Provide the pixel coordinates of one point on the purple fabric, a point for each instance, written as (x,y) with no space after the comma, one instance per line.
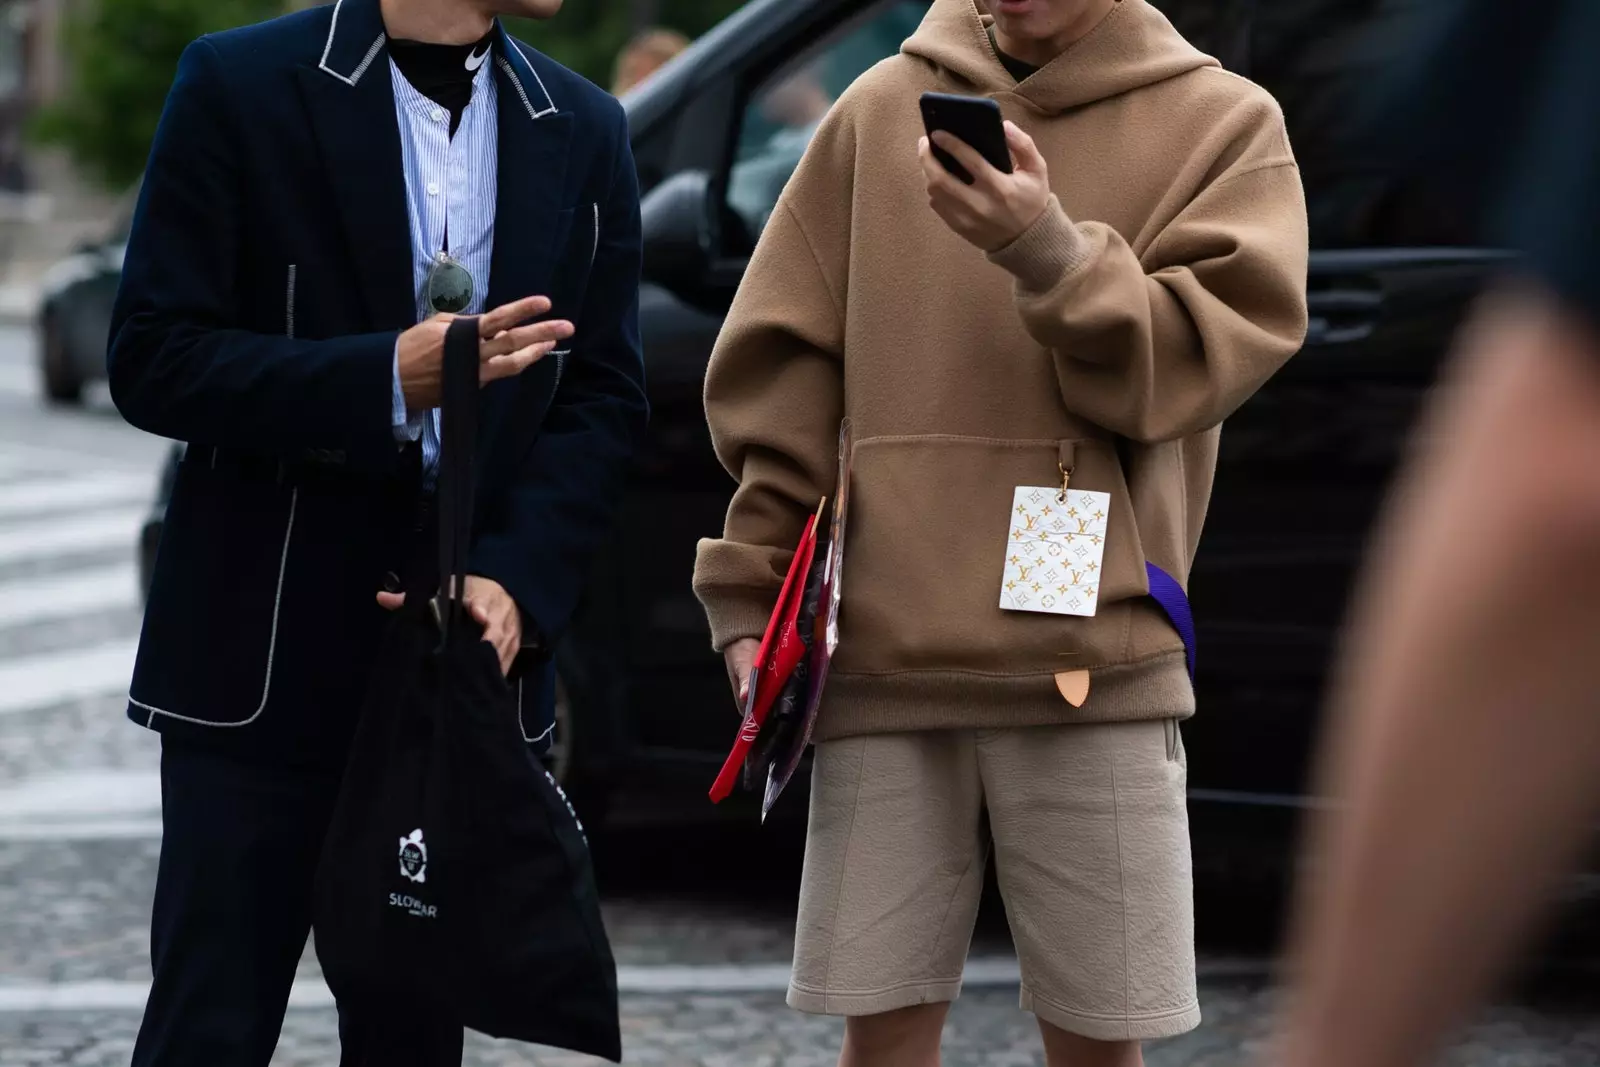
(1165,591)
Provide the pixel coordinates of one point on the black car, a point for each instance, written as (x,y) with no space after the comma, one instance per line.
(74,317)
(1303,466)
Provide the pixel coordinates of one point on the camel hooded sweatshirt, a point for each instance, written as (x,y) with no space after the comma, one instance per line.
(1163,285)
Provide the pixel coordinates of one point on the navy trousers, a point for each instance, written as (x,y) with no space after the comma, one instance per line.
(232,915)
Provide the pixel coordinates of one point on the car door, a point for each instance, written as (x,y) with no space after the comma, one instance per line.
(1305,466)
(715,140)
(1303,471)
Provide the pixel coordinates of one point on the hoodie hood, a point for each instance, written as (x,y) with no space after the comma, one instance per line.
(1132,47)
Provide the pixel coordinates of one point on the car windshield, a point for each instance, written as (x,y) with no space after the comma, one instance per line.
(779,121)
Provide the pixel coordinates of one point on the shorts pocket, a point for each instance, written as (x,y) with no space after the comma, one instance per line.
(929,523)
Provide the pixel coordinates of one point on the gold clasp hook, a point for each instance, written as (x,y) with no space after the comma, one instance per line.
(1066,482)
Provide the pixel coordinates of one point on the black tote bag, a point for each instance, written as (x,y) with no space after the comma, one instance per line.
(454,876)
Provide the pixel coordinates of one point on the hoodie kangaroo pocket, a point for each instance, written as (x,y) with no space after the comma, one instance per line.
(929,524)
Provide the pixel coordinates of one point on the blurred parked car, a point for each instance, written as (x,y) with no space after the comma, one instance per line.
(74,320)
(1303,466)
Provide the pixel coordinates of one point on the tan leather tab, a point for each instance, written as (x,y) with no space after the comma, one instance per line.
(1065,457)
(1074,686)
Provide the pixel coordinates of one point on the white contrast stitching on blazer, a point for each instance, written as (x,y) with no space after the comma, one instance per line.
(547,98)
(327,48)
(288,322)
(272,643)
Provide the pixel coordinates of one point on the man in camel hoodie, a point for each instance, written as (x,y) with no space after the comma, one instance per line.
(1099,312)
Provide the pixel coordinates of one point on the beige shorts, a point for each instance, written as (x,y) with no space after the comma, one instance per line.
(1091,840)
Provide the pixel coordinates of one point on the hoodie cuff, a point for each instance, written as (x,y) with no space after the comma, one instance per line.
(1049,250)
(737,614)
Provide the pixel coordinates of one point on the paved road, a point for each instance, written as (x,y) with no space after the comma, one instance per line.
(701,916)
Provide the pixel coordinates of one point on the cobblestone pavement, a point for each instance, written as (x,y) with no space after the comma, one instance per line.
(757,1030)
(79,836)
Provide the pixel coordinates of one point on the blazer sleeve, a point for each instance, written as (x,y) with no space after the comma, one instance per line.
(560,509)
(179,365)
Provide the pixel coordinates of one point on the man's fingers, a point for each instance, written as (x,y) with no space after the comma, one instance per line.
(517,339)
(515,363)
(391,601)
(932,169)
(1026,154)
(943,184)
(968,157)
(506,316)
(506,652)
(497,635)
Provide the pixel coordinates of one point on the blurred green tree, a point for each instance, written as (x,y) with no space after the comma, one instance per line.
(123,53)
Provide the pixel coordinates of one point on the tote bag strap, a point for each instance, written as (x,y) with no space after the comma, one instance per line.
(458,431)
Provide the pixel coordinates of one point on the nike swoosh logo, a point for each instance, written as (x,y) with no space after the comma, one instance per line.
(474,62)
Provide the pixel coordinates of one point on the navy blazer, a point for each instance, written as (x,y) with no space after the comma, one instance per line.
(267,277)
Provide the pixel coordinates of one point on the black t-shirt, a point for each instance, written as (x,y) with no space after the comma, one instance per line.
(1507,111)
(1017,68)
(442,72)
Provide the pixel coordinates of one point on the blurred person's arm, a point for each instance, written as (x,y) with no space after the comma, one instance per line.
(1465,746)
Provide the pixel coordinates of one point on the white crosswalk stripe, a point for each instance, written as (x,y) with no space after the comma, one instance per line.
(68,633)
(30,682)
(71,494)
(19,380)
(64,596)
(74,533)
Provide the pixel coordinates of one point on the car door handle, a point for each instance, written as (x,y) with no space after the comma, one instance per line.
(1342,316)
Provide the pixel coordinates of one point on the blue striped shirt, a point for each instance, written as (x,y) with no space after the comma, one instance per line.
(450,182)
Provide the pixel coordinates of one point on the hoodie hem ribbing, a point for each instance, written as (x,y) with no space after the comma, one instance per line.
(1156,688)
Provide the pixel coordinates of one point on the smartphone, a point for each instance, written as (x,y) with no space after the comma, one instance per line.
(975,120)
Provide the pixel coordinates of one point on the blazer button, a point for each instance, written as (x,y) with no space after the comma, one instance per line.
(391,582)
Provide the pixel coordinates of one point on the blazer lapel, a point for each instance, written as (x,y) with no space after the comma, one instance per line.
(529,217)
(534,137)
(351,100)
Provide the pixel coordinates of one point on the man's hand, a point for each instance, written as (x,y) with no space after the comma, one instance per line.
(996,208)
(505,348)
(739,657)
(494,609)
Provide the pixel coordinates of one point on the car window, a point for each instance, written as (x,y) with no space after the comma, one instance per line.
(784,112)
(1324,60)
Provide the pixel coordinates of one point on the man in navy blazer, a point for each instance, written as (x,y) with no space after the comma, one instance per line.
(324,191)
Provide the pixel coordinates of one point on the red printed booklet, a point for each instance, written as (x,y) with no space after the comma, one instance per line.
(782,649)
(791,665)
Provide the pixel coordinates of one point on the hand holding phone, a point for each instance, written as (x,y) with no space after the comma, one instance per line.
(975,120)
(973,184)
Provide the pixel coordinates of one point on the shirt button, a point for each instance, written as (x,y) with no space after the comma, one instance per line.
(433,188)
(438,114)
